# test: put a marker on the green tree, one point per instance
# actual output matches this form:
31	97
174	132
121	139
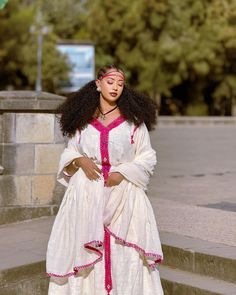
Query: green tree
181	50
18	52
66	17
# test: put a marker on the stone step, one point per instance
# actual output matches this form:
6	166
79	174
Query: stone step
200	257
22	257
29	279
179	282
11	214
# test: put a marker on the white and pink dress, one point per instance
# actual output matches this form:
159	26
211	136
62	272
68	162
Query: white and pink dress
105	239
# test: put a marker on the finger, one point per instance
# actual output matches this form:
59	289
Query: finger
97	169
97	174
93	177
94	174
90	175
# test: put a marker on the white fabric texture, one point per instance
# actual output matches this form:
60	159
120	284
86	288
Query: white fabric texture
124	209
129	274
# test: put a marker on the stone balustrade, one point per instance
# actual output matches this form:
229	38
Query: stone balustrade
30	147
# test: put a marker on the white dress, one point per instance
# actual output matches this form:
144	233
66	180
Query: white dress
104	239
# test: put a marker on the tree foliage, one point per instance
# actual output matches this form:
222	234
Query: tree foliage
18	51
182	51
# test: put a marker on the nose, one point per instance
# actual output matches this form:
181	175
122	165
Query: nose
115	86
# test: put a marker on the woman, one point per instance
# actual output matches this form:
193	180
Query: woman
105	239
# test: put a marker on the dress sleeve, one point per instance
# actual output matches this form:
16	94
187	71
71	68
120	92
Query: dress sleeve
141	168
68	155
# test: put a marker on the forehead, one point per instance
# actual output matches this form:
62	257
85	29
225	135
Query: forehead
114	75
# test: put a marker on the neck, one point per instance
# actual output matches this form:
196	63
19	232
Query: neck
106	105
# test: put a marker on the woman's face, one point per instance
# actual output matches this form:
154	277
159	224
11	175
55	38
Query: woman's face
111	85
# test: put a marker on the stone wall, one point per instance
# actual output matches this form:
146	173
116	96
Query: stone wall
30	147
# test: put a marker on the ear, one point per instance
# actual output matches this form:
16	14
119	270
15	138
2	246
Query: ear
98	82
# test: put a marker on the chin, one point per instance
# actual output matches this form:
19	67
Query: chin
110	98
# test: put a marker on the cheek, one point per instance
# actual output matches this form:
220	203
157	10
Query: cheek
106	88
121	90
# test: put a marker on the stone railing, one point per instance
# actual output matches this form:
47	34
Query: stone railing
30	147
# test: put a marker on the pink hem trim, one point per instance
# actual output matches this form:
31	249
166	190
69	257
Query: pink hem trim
156	257
91	246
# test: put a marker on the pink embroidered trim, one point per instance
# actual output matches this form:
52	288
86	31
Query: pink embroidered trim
70	274
91	246
104	136
100	127
104	153
107	253
156	257
132	136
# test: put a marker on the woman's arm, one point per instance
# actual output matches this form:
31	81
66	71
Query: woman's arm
71	160
71	154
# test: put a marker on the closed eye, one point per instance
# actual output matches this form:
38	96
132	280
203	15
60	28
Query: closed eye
111	81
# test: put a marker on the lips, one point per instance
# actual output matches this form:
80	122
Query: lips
113	94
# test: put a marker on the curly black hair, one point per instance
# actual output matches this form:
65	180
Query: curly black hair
79	108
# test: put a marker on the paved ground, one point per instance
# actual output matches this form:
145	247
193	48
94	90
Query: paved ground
24	243
196	165
193	190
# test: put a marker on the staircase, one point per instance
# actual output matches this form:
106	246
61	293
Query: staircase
196	267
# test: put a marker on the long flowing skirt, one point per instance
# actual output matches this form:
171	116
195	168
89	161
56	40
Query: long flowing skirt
130	276
76	256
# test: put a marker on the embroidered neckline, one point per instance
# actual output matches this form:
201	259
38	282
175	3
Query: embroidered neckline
104	135
116	122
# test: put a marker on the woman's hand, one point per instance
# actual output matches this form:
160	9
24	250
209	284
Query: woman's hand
114	178
90	169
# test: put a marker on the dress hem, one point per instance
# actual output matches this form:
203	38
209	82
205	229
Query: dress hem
92	246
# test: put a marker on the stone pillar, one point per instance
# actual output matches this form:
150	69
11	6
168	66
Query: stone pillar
30	147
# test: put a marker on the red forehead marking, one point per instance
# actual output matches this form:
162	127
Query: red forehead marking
120	75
